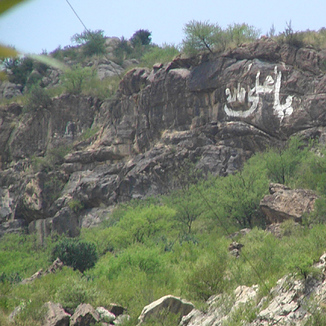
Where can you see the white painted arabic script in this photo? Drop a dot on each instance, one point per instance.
(270, 85)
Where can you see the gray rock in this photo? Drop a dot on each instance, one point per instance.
(167, 303)
(285, 203)
(9, 90)
(105, 315)
(121, 319)
(108, 70)
(84, 315)
(55, 315)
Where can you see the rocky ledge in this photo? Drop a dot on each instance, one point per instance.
(213, 110)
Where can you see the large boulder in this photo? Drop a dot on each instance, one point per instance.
(55, 315)
(168, 303)
(84, 315)
(284, 203)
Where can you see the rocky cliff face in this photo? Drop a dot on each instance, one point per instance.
(212, 110)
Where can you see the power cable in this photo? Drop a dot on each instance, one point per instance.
(77, 16)
(91, 35)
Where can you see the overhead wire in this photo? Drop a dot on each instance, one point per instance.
(91, 35)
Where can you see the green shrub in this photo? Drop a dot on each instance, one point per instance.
(77, 254)
(75, 79)
(159, 54)
(200, 36)
(21, 256)
(207, 276)
(204, 36)
(283, 163)
(140, 225)
(141, 37)
(76, 205)
(20, 68)
(74, 292)
(318, 215)
(37, 98)
(103, 89)
(93, 42)
(241, 33)
(122, 50)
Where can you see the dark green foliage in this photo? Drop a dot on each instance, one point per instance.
(77, 254)
(122, 50)
(141, 37)
(11, 278)
(20, 68)
(37, 98)
(93, 42)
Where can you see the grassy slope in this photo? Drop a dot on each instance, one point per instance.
(147, 249)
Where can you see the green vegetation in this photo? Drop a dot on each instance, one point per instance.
(176, 244)
(93, 42)
(77, 254)
(141, 37)
(74, 79)
(156, 54)
(37, 98)
(205, 36)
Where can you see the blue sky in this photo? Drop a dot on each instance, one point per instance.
(39, 25)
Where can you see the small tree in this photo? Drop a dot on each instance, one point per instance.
(141, 37)
(200, 36)
(93, 41)
(75, 253)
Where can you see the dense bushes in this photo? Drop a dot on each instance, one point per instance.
(77, 254)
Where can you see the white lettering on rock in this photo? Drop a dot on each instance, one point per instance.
(270, 85)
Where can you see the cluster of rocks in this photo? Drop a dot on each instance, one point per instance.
(84, 315)
(291, 302)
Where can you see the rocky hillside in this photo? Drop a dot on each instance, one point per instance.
(65, 165)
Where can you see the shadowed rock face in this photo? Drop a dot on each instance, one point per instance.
(212, 110)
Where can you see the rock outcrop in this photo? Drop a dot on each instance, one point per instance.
(55, 315)
(213, 110)
(286, 304)
(284, 203)
(166, 304)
